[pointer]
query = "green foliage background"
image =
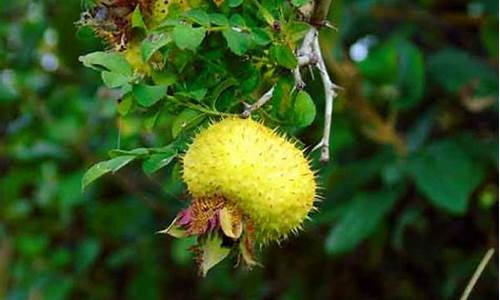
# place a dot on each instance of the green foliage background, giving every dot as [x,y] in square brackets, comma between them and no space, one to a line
[411,201]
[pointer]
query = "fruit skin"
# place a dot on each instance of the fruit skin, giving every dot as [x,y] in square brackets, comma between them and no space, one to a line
[259,171]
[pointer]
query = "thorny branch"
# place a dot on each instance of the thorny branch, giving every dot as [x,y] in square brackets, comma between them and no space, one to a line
[263,100]
[309,54]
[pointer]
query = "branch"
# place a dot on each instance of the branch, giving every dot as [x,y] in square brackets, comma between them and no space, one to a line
[321,9]
[330,94]
[263,100]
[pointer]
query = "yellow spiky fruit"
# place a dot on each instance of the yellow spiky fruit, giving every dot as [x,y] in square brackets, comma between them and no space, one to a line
[266,176]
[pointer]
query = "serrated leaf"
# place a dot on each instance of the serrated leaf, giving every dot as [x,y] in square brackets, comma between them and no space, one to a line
[304,110]
[187,37]
[148,95]
[158,161]
[283,56]
[359,220]
[105,167]
[446,175]
[107,61]
[238,42]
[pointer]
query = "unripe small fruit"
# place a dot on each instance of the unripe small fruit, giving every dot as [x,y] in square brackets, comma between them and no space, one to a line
[248,185]
[259,171]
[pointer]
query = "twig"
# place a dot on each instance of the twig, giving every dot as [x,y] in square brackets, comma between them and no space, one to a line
[263,100]
[477,273]
[330,94]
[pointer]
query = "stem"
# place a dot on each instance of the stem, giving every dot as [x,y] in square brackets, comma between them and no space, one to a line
[321,9]
[477,273]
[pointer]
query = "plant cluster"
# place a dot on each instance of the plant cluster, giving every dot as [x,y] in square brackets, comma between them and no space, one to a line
[202,60]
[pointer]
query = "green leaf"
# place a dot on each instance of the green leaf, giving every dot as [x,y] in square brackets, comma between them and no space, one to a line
[158,161]
[126,104]
[234,3]
[138,152]
[164,78]
[283,56]
[359,220]
[187,37]
[381,65]
[212,252]
[219,19]
[453,69]
[304,110]
[299,3]
[239,42]
[411,79]
[152,44]
[114,80]
[107,61]
[86,254]
[199,16]
[197,95]
[137,20]
[282,97]
[238,21]
[260,37]
[296,31]
[148,95]
[446,175]
[105,167]
[186,118]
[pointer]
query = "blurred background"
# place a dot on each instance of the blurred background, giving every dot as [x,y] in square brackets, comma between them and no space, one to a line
[411,193]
